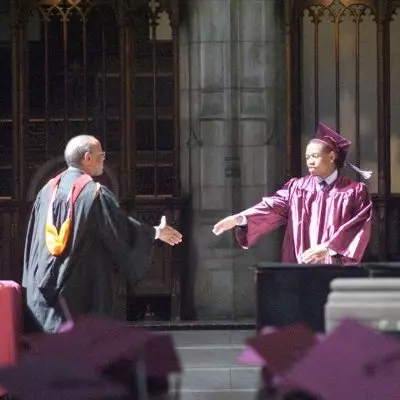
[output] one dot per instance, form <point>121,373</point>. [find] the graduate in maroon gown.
<point>327,215</point>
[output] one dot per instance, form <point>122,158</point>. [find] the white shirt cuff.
<point>157,236</point>
<point>242,220</point>
<point>332,252</point>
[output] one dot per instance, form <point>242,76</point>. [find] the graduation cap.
<point>160,356</point>
<point>50,379</point>
<point>339,145</point>
<point>276,350</point>
<point>249,356</point>
<point>353,363</point>
<point>139,359</point>
<point>103,341</point>
<point>332,139</point>
<point>279,349</point>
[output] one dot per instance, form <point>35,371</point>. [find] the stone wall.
<point>232,132</point>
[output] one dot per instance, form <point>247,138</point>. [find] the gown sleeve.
<point>129,241</point>
<point>351,239</point>
<point>31,242</point>
<point>264,217</point>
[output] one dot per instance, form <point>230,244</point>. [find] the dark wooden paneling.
<point>14,216</point>
<point>289,293</point>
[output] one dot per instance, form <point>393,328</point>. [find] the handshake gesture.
<point>226,224</point>
<point>310,256</point>
<point>172,237</point>
<point>168,234</point>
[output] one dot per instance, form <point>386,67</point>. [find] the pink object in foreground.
<point>276,350</point>
<point>354,362</point>
<point>40,378</point>
<point>92,357</point>
<point>11,323</point>
<point>104,341</point>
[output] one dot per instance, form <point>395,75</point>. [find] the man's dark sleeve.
<point>31,242</point>
<point>129,241</point>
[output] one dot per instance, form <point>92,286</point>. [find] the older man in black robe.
<point>77,235</point>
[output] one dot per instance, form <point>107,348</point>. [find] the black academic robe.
<point>103,237</point>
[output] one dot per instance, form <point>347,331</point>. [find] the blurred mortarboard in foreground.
<point>57,379</point>
<point>104,341</point>
<point>353,363</point>
<point>280,348</point>
<point>138,359</point>
<point>275,350</point>
<point>249,356</point>
<point>160,356</point>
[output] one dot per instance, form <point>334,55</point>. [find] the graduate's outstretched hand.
<point>168,234</point>
<point>314,254</point>
<point>225,225</point>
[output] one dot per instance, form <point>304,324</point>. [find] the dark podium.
<point>289,293</point>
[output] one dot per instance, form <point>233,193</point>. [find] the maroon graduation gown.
<point>339,216</point>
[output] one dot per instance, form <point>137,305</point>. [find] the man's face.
<point>93,161</point>
<point>319,161</point>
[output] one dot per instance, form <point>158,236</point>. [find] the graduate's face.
<point>320,161</point>
<point>93,162</point>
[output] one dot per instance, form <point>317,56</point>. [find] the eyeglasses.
<point>100,153</point>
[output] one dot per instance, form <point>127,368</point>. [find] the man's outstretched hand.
<point>168,234</point>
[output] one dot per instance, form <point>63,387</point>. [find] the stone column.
<point>232,71</point>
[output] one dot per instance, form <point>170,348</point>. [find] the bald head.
<point>76,149</point>
<point>85,152</point>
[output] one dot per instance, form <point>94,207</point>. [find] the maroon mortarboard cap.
<point>50,379</point>
<point>249,356</point>
<point>353,363</point>
<point>100,341</point>
<point>340,146</point>
<point>104,341</point>
<point>282,347</point>
<point>333,139</point>
<point>160,356</point>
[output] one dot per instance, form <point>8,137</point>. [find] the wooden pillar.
<point>288,86</point>
<point>18,60</point>
<point>174,13</point>
<point>122,105</point>
<point>130,149</point>
<point>292,92</point>
<point>383,102</point>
